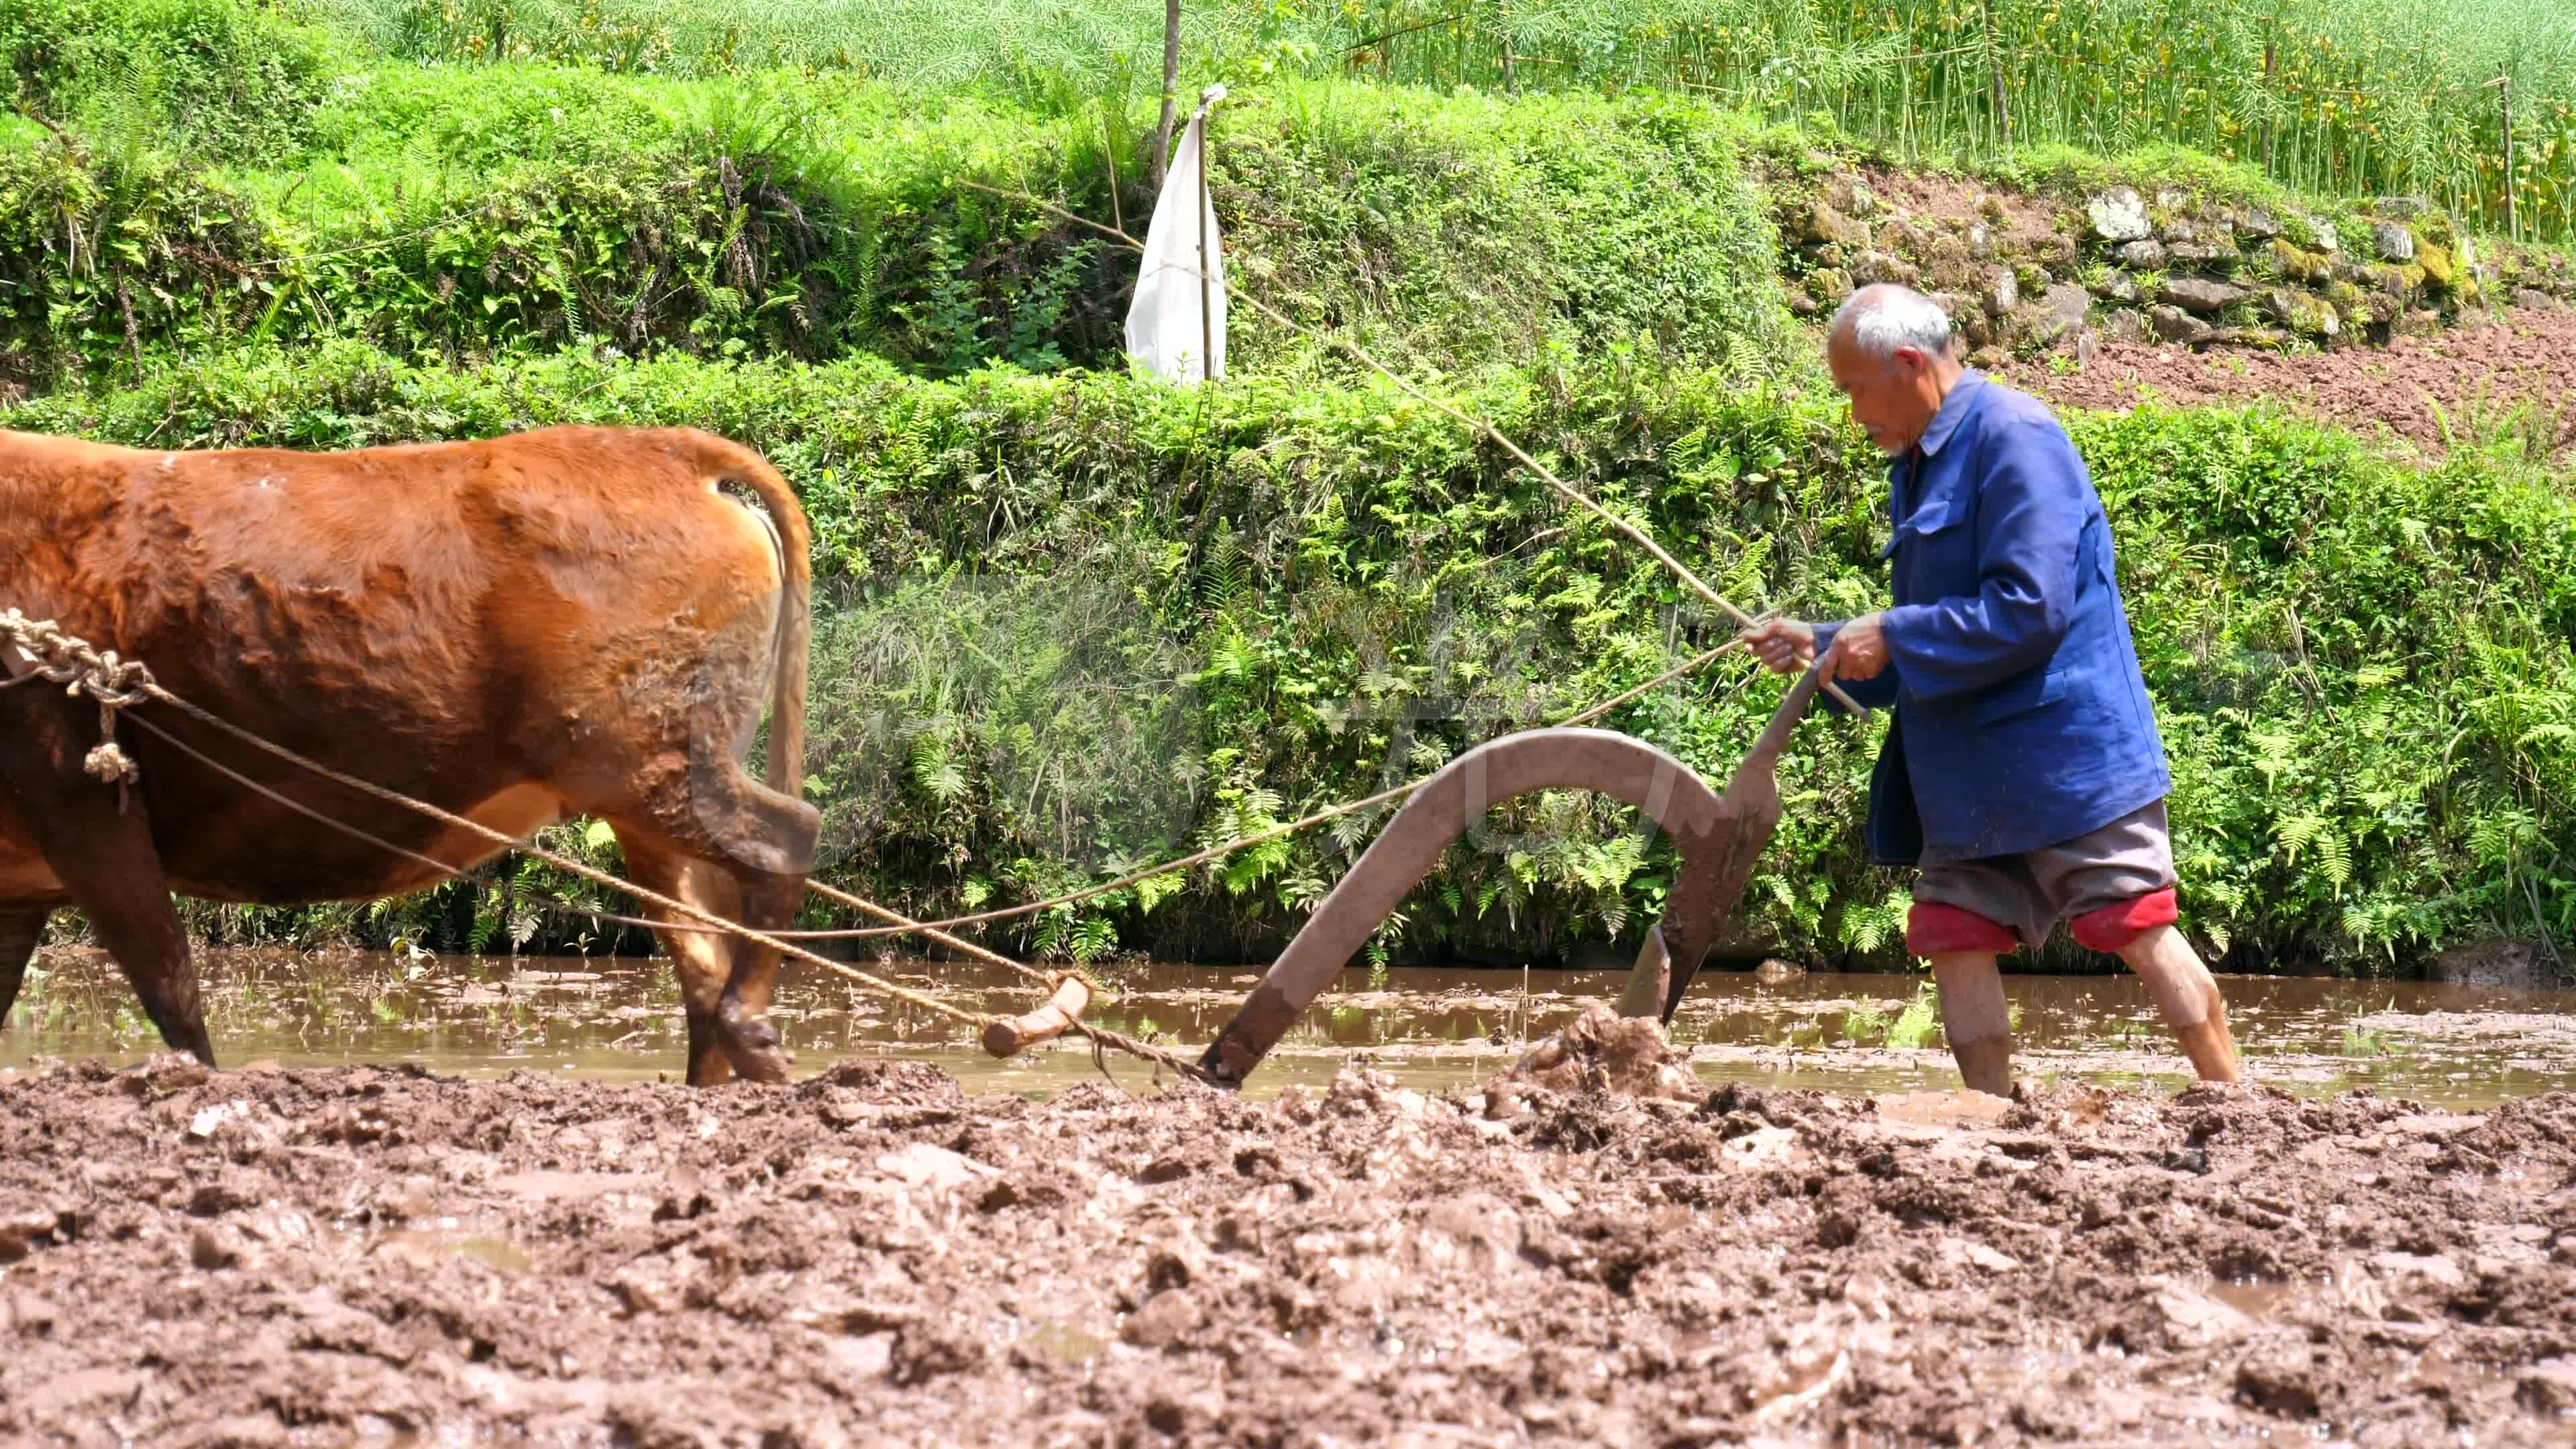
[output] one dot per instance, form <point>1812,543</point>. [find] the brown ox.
<point>567,622</point>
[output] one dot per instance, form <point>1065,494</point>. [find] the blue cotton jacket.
<point>2021,717</point>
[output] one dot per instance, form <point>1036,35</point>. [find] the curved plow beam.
<point>1718,837</point>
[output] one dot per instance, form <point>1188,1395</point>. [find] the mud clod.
<point>1601,1052</point>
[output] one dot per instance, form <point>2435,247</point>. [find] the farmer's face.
<point>1894,397</point>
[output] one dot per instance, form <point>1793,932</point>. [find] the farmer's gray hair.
<point>1885,317</point>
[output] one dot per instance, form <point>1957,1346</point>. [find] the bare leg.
<point>1976,1019</point>
<point>2187,996</point>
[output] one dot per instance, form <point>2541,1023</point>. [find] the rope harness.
<point>115,683</point>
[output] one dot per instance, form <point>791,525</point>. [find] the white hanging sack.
<point>1166,330</point>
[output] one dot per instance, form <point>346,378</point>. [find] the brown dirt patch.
<point>2473,374</point>
<point>873,1257</point>
<point>2019,217</point>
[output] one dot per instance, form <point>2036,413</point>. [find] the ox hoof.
<point>754,1048</point>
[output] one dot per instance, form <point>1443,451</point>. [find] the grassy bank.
<point>2362,98</point>
<point>1078,623</point>
<point>455,214</point>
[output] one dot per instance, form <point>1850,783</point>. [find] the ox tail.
<point>732,462</point>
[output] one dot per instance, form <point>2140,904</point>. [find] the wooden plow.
<point>1719,837</point>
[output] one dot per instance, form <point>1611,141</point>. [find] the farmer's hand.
<point>1860,650</point>
<point>1783,644</point>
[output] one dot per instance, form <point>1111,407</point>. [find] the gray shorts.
<point>2031,892</point>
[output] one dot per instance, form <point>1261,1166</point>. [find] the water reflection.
<point>620,1019</point>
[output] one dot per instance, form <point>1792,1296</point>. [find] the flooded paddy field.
<point>618,1019</point>
<point>513,1234</point>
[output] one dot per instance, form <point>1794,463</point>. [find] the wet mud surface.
<point>619,1019</point>
<point>875,1256</point>
<point>2426,391</point>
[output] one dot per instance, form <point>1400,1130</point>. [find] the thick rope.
<point>130,684</point>
<point>115,683</point>
<point>70,661</point>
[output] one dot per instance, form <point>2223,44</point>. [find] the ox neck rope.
<point>116,684</point>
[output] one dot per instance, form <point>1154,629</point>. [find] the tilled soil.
<point>872,1256</point>
<point>2468,379</point>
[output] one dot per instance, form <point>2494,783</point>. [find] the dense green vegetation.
<point>2355,97</point>
<point>1074,621</point>
<point>1082,622</point>
<point>452,213</point>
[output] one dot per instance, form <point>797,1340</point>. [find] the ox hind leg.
<point>702,962</point>
<point>740,851</point>
<point>100,850</point>
<point>21,927</point>
<point>696,827</point>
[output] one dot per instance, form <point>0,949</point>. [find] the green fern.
<point>936,771</point>
<point>1093,939</point>
<point>1865,928</point>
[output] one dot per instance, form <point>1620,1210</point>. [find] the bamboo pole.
<point>1905,107</point>
<point>2268,99</point>
<point>1995,74</point>
<point>2504,99</point>
<point>1109,154</point>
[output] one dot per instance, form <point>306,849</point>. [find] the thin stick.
<point>1407,30</point>
<point>1995,76</point>
<point>1202,224</point>
<point>2267,99</point>
<point>1109,154</point>
<point>1171,98</point>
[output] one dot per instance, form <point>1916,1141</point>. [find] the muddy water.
<point>619,1020</point>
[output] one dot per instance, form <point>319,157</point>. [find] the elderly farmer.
<point>2023,772</point>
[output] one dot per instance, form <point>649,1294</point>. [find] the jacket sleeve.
<point>2029,527</point>
<point>1876,692</point>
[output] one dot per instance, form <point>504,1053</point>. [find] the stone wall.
<point>2025,273</point>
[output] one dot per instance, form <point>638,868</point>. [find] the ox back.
<point>576,621</point>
